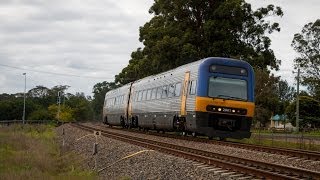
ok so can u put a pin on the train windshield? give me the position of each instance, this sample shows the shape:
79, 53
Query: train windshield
227, 88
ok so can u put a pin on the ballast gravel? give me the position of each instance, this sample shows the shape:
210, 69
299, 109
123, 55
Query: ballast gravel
237, 152
120, 160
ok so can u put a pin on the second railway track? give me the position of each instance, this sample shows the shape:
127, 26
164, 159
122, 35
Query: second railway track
299, 153
242, 165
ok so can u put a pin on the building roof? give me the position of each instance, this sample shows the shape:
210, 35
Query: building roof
278, 117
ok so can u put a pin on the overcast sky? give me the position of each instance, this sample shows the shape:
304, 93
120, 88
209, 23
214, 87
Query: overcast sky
91, 41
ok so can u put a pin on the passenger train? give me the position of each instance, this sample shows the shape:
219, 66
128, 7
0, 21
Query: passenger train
212, 97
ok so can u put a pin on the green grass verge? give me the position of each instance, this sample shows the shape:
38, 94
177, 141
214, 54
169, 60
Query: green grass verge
315, 133
31, 152
306, 145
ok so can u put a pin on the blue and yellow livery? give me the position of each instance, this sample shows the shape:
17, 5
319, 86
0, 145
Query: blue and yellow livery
212, 96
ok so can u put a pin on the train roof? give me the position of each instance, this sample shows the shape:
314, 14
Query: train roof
221, 60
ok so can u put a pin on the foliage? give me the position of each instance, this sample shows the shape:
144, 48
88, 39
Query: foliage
309, 111
39, 99
40, 114
266, 98
99, 92
272, 96
66, 113
80, 105
307, 45
183, 31
12, 108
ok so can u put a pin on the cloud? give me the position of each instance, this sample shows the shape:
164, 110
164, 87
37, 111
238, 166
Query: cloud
95, 38
82, 38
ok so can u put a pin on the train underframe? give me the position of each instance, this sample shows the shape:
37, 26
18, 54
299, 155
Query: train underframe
202, 123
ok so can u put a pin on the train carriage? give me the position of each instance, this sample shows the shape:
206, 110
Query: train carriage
212, 96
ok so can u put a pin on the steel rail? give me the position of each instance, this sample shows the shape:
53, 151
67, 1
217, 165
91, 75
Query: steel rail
243, 165
309, 155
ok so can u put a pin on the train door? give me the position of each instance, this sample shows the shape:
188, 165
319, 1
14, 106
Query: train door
128, 110
184, 94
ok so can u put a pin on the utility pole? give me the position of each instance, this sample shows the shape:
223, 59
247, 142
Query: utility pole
24, 98
297, 106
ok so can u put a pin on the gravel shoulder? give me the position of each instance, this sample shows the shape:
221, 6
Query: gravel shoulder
141, 163
244, 153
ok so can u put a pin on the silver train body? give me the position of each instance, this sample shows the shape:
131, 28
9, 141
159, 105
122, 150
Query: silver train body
167, 101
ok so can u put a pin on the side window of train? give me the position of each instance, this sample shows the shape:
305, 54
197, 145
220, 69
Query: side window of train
164, 91
139, 95
149, 94
177, 90
193, 85
136, 95
159, 91
171, 90
144, 95
154, 93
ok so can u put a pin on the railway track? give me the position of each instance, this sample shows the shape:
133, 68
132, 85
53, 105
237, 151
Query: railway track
257, 169
304, 154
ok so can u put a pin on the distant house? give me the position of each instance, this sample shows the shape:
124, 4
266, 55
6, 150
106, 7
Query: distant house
280, 122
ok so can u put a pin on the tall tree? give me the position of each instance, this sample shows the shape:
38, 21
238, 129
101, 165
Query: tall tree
307, 45
266, 96
309, 111
183, 31
80, 105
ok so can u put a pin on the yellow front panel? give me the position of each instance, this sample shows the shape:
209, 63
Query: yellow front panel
203, 102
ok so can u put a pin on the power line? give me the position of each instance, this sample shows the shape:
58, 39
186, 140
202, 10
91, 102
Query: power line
52, 73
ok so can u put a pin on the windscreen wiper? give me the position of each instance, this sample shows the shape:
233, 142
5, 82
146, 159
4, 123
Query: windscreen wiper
231, 97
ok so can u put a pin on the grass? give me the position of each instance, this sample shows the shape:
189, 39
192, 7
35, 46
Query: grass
306, 145
31, 152
315, 133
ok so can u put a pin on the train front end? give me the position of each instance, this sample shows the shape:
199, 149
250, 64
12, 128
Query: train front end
225, 98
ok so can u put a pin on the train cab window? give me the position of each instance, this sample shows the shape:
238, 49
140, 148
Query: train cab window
140, 96
144, 95
149, 94
159, 91
154, 93
171, 90
193, 85
177, 90
164, 91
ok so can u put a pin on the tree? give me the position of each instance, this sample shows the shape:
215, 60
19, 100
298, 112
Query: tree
66, 113
309, 110
266, 96
80, 105
286, 95
183, 31
99, 92
307, 45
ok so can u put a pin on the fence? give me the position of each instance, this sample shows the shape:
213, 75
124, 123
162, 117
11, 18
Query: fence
8, 122
306, 139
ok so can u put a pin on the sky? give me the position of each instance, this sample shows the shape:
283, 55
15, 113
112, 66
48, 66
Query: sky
80, 43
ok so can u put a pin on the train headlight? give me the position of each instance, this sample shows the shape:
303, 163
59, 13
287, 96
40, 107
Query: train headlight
233, 110
219, 109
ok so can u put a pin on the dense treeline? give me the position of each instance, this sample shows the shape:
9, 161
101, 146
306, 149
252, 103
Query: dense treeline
41, 104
